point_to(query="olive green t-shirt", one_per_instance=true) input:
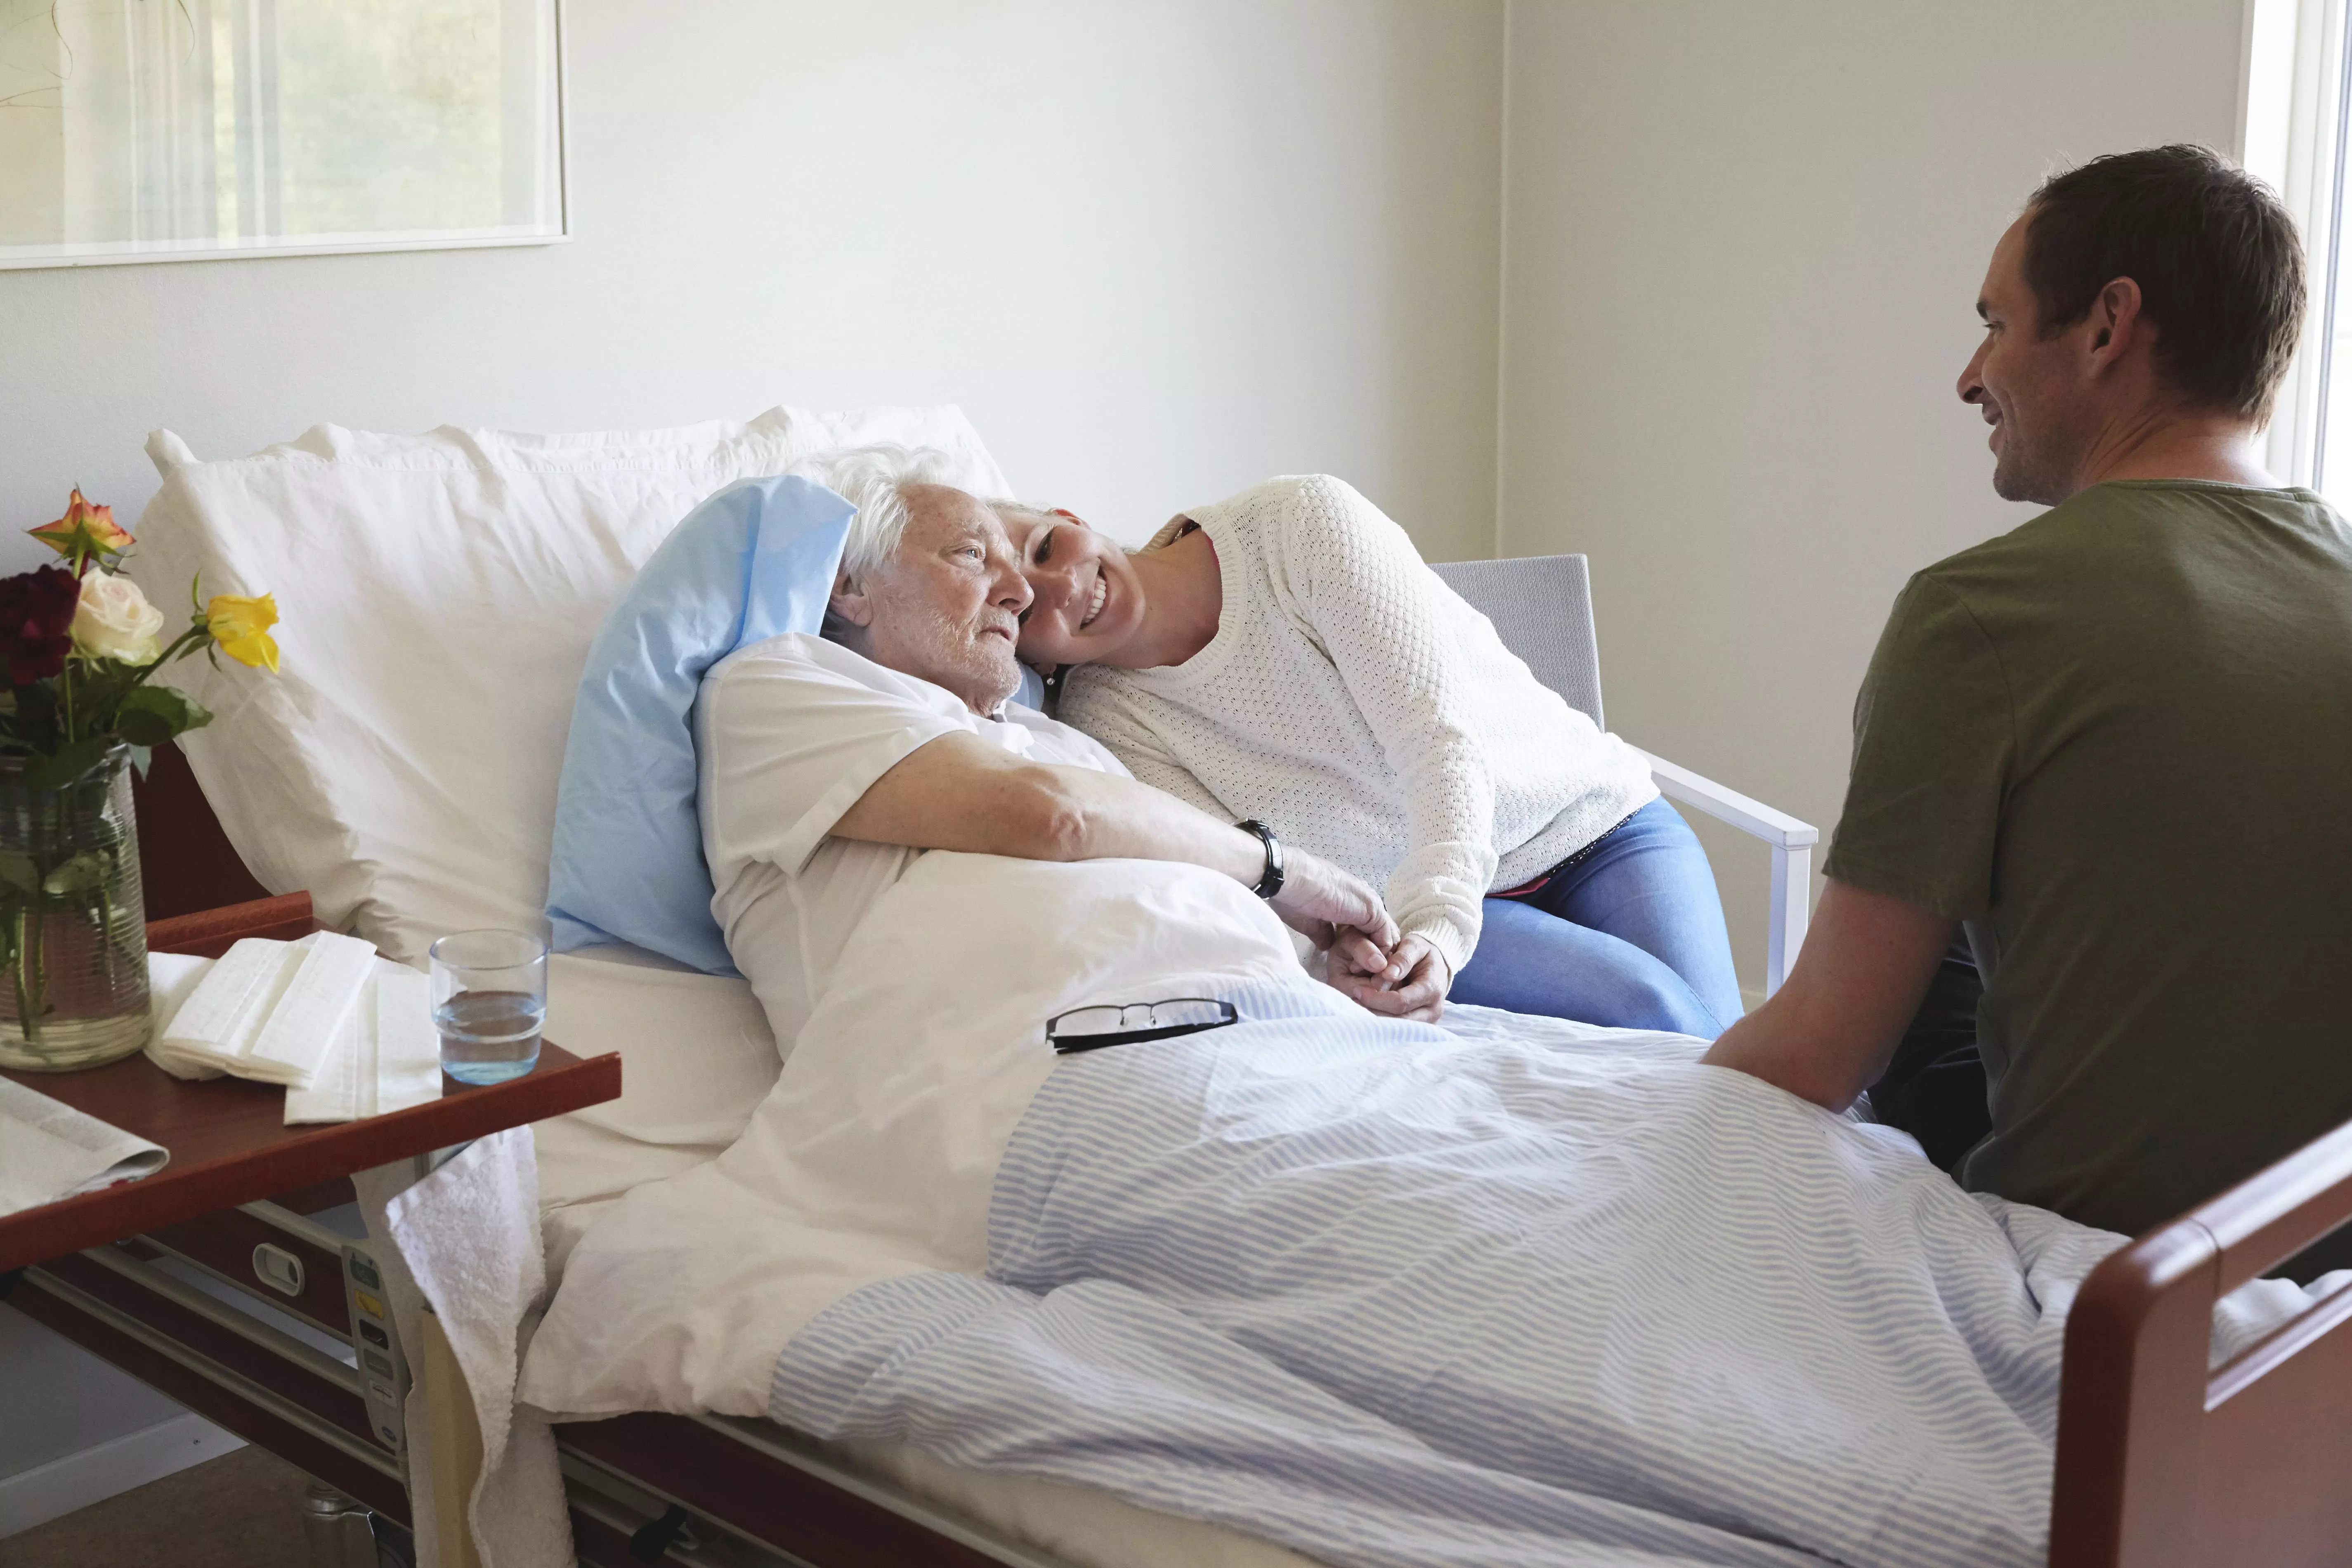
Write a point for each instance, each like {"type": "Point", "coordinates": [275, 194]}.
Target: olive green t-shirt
{"type": "Point", "coordinates": [2117, 743]}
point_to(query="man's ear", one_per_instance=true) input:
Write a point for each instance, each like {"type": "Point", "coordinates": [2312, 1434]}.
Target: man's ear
{"type": "Point", "coordinates": [849, 600]}
{"type": "Point", "coordinates": [2115, 325]}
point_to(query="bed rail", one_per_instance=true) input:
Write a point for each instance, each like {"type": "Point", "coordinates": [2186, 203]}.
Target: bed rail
{"type": "Point", "coordinates": [1541, 606]}
{"type": "Point", "coordinates": [1789, 840]}
{"type": "Point", "coordinates": [2162, 1464]}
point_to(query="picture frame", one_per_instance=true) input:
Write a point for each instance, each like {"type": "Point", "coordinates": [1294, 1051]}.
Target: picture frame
{"type": "Point", "coordinates": [154, 130]}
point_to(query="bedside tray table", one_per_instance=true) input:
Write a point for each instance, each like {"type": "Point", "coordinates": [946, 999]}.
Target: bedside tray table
{"type": "Point", "coordinates": [284, 1356]}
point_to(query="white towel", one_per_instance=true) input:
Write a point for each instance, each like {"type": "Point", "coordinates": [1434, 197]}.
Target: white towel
{"type": "Point", "coordinates": [387, 1056]}
{"type": "Point", "coordinates": [465, 1240]}
{"type": "Point", "coordinates": [268, 1010]}
{"type": "Point", "coordinates": [50, 1151]}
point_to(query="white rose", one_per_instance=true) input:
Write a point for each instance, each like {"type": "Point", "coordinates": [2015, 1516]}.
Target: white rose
{"type": "Point", "coordinates": [115, 621]}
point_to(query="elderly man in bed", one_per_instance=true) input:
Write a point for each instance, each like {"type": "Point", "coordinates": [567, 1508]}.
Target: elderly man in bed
{"type": "Point", "coordinates": [828, 763]}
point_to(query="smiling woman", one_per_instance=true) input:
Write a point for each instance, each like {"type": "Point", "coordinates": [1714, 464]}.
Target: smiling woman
{"type": "Point", "coordinates": [1286, 655]}
{"type": "Point", "coordinates": [155, 129]}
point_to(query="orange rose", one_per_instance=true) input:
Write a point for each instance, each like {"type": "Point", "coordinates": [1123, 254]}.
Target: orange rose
{"type": "Point", "coordinates": [87, 530]}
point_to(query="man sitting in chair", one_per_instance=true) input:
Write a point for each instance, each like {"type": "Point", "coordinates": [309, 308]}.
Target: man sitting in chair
{"type": "Point", "coordinates": [829, 763]}
{"type": "Point", "coordinates": [2113, 742]}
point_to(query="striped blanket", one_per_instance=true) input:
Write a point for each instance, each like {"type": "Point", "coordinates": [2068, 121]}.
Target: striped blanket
{"type": "Point", "coordinates": [1395, 1294]}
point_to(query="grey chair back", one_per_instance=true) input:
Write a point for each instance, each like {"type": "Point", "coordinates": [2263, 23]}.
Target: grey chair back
{"type": "Point", "coordinates": [1542, 609]}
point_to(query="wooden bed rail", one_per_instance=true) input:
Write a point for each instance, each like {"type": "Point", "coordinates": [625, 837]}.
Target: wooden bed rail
{"type": "Point", "coordinates": [2163, 1465]}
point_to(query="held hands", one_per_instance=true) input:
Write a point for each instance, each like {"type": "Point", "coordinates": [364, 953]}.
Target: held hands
{"type": "Point", "coordinates": [1398, 976]}
{"type": "Point", "coordinates": [1408, 980]}
{"type": "Point", "coordinates": [1319, 901]}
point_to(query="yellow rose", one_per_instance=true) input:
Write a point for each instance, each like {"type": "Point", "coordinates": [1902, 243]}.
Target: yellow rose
{"type": "Point", "coordinates": [241, 628]}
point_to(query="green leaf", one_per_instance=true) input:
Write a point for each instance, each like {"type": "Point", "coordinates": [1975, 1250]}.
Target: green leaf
{"type": "Point", "coordinates": [83, 872]}
{"type": "Point", "coordinates": [151, 715]}
{"type": "Point", "coordinates": [18, 870]}
{"type": "Point", "coordinates": [67, 764]}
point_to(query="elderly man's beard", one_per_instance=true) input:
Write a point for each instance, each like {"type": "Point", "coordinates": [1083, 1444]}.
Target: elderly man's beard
{"type": "Point", "coordinates": [963, 657]}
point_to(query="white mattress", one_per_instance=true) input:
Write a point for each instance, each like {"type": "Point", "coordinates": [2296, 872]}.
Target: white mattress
{"type": "Point", "coordinates": [608, 1000]}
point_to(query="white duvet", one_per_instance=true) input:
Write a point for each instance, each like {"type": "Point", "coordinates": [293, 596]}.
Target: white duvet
{"type": "Point", "coordinates": [874, 1154]}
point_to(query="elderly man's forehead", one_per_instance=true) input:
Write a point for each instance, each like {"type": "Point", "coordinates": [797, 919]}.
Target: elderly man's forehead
{"type": "Point", "coordinates": [945, 506]}
{"type": "Point", "coordinates": [939, 514]}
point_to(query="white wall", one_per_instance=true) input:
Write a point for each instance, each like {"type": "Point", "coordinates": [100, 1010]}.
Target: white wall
{"type": "Point", "coordinates": [1743, 248]}
{"type": "Point", "coordinates": [1157, 252]}
{"type": "Point", "coordinates": [76, 1430]}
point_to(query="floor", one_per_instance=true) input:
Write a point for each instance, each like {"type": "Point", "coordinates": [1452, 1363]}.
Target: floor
{"type": "Point", "coordinates": [240, 1510]}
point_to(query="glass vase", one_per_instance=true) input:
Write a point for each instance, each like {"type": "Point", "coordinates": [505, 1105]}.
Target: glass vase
{"type": "Point", "coordinates": [73, 925]}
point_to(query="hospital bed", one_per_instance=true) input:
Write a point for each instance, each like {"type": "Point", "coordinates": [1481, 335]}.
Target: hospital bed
{"type": "Point", "coordinates": [2159, 1463]}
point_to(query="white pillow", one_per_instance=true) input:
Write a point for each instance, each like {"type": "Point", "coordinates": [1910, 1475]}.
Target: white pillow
{"type": "Point", "coordinates": [438, 593]}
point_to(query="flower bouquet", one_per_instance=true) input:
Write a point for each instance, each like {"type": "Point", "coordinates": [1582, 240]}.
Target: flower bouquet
{"type": "Point", "coordinates": [82, 709]}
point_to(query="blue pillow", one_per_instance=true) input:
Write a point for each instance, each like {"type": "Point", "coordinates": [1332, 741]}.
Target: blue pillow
{"type": "Point", "coordinates": [755, 561]}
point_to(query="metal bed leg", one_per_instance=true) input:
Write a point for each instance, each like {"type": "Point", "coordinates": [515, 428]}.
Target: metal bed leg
{"type": "Point", "coordinates": [341, 1532]}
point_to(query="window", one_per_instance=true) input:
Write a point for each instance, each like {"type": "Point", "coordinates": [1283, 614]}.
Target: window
{"type": "Point", "coordinates": [153, 130]}
{"type": "Point", "coordinates": [2293, 134]}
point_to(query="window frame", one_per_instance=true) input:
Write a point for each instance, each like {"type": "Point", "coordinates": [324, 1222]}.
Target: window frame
{"type": "Point", "coordinates": [105, 253]}
{"type": "Point", "coordinates": [2295, 82]}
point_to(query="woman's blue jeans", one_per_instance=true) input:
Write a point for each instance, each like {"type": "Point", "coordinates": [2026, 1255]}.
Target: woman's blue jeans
{"type": "Point", "coordinates": [1630, 936]}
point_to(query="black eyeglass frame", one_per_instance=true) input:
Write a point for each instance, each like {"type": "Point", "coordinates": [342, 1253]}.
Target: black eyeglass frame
{"type": "Point", "coordinates": [1072, 1044]}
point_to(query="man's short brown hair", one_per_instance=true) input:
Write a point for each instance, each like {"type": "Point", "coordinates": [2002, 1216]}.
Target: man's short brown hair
{"type": "Point", "coordinates": [2216, 258]}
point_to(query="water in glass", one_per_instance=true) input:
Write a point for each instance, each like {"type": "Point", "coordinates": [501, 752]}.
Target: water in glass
{"type": "Point", "coordinates": [489, 1001]}
{"type": "Point", "coordinates": [489, 1037]}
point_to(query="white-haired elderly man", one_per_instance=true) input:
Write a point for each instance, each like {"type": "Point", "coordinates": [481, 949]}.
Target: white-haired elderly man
{"type": "Point", "coordinates": [828, 763]}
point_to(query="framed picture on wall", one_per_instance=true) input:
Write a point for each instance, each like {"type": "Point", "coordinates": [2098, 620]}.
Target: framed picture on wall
{"type": "Point", "coordinates": [180, 129]}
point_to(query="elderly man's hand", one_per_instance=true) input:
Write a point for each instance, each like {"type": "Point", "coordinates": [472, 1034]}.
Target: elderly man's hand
{"type": "Point", "coordinates": [1320, 901]}
{"type": "Point", "coordinates": [1410, 980]}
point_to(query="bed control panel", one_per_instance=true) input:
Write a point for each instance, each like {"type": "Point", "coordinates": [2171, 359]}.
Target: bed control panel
{"type": "Point", "coordinates": [383, 1371]}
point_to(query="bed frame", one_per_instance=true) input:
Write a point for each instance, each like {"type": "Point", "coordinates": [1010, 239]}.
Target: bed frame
{"type": "Point", "coordinates": [2160, 1464]}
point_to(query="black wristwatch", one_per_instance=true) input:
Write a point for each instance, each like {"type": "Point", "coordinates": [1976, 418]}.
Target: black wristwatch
{"type": "Point", "coordinates": [1271, 883]}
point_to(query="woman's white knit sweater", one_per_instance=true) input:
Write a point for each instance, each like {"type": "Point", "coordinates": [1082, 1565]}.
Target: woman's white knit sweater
{"type": "Point", "coordinates": [1356, 705]}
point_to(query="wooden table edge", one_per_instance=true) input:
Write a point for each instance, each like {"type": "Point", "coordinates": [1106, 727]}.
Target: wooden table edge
{"type": "Point", "coordinates": [335, 1149]}
{"type": "Point", "coordinates": [180, 1193]}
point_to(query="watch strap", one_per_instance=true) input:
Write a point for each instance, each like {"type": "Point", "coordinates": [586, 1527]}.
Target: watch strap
{"type": "Point", "coordinates": [1270, 883]}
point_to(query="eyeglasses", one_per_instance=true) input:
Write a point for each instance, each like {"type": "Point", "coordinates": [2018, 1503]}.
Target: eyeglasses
{"type": "Point", "coordinates": [1091, 1028]}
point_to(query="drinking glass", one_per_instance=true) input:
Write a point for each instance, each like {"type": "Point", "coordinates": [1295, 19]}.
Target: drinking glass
{"type": "Point", "coordinates": [490, 1000]}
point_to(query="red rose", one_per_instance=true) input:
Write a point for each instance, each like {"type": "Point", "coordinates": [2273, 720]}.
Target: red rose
{"type": "Point", "coordinates": [36, 612]}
